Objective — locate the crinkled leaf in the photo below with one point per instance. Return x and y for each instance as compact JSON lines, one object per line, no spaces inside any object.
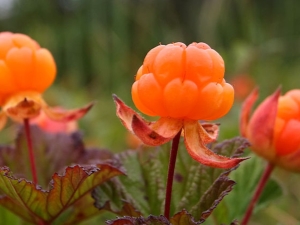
{"x":151,"y":220}
{"x":115,"y":205}
{"x":144,"y":187}
{"x":65,"y":190}
{"x":127,"y":209}
{"x":183,"y":217}
{"x":130,"y":188}
{"x":46,"y":147}
{"x":235,"y":222}
{"x":212,"y":197}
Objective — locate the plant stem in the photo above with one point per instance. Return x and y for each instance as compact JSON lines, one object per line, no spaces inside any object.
{"x":263,"y":181}
{"x":171,"y":169}
{"x":30,"y":150}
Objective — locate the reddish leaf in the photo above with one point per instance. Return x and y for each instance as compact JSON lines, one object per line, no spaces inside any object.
{"x":126,"y":210}
{"x":183,"y":217}
{"x":235,"y":222}
{"x":123,"y":221}
{"x":195,"y":137}
{"x":65,"y":190}
{"x":23,"y":194}
{"x":53,"y":152}
{"x":151,"y":220}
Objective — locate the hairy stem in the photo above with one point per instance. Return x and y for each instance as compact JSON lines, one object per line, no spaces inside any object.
{"x":262,"y":183}
{"x":30,"y":151}
{"x":171,"y":169}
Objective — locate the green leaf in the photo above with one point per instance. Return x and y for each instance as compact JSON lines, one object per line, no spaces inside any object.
{"x":196,"y":188}
{"x":271,"y":191}
{"x":247,"y":178}
{"x":7,"y":217}
{"x":65,"y":191}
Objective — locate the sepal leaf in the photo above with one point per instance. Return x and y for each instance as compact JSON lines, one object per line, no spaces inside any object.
{"x":125,"y":113}
{"x":151,"y":133}
{"x":212,"y":132}
{"x":150,"y":136}
{"x":66,"y":115}
{"x":195,"y":137}
{"x":23,"y":106}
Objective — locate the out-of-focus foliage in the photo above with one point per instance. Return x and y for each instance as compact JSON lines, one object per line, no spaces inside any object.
{"x":102,"y":43}
{"x":99,"y":45}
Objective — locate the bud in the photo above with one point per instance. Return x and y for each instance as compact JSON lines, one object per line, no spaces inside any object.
{"x":273,"y":129}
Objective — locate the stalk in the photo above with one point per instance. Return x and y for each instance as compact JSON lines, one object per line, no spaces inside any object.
{"x":172,"y":161}
{"x":262,"y":183}
{"x":30,"y":151}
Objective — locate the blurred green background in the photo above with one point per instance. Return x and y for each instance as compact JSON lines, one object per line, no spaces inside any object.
{"x":98,"y":46}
